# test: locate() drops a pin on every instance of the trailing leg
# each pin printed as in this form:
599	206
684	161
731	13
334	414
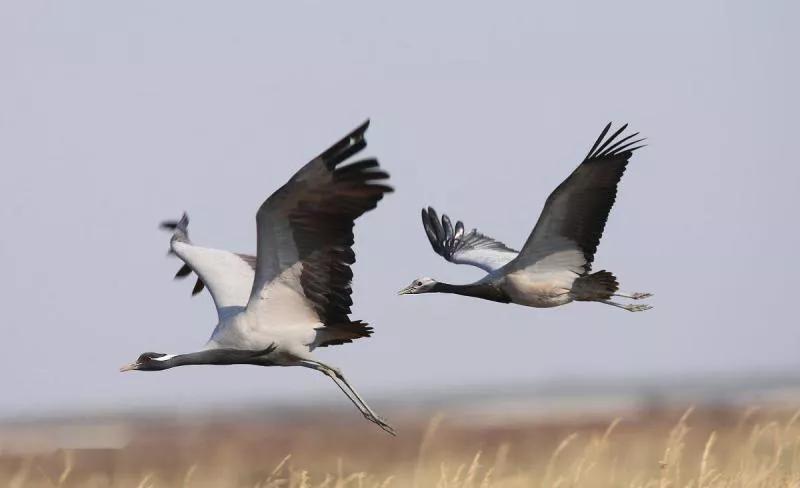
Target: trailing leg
629	307
338	378
633	296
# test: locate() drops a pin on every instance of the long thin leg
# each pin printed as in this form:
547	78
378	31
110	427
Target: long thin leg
338	378
630	308
341	377
330	373
351	393
638	295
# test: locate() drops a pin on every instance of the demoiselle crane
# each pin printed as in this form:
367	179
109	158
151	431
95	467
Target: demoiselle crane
294	296
554	266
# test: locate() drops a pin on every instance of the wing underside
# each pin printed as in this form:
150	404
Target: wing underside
460	247
228	276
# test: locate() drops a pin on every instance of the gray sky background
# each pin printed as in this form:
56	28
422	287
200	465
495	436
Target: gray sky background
116	115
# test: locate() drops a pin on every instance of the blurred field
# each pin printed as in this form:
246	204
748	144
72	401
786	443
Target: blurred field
643	447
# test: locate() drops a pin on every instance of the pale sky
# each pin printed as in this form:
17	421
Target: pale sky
117	115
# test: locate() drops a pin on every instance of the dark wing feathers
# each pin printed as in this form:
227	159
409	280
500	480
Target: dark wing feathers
615	149
345	147
447	240
198	287
320	204
459	232
185	271
456	246
323	232
618	146
579	207
179	228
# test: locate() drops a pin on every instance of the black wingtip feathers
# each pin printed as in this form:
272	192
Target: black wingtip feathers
347	146
198	287
183	272
610	147
173	225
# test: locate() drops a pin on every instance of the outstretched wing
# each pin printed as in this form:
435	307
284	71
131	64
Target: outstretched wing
227	275
305	235
458	247
572	221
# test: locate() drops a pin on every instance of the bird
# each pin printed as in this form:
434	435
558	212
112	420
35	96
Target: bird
294	295
554	266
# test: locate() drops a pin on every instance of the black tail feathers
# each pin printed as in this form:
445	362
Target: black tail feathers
335	334
596	286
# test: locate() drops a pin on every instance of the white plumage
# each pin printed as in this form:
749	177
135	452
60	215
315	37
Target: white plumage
228	277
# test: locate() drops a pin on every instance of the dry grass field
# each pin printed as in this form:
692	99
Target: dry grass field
651	447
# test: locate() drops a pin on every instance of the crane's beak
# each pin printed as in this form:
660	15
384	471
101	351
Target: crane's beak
406	291
129	367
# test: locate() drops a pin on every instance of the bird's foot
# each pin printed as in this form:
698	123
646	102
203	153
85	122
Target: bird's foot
640	295
637	308
381	423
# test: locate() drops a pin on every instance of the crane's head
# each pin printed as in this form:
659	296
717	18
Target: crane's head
420	285
150	361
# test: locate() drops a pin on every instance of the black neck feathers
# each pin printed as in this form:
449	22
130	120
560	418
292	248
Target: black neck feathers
211	356
486	291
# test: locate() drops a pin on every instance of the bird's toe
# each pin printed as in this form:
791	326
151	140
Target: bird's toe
388	428
381	423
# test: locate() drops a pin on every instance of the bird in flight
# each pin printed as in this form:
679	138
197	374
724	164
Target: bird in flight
275	308
554	266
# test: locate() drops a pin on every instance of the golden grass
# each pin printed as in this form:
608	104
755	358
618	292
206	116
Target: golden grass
706	448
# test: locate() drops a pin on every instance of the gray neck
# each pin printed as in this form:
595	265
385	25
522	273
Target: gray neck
213	356
485	291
